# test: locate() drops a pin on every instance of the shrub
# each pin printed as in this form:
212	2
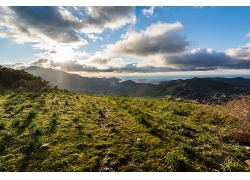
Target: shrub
37	132
2	125
230	165
142	120
181	112
177	163
55	114
76	119
89	135
16	123
101	113
32	114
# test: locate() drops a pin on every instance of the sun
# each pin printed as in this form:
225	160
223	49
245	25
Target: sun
62	54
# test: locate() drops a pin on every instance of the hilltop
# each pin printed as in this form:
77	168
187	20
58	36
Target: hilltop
67	131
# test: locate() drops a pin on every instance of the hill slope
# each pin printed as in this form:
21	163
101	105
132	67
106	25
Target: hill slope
64	131
195	88
78	83
11	78
82	132
236	81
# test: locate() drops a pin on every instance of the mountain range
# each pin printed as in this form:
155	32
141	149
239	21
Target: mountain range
195	88
78	83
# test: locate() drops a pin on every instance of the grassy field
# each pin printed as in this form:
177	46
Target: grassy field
87	132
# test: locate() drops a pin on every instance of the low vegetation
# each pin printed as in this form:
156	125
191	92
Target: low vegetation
86	132
46	129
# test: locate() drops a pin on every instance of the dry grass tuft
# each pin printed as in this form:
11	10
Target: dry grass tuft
239	109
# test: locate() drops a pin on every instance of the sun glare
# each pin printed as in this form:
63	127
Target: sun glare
61	54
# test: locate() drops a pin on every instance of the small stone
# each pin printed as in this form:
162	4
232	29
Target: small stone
44	146
247	162
247	148
138	139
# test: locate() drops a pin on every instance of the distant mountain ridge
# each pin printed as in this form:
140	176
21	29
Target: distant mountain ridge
195	88
236	81
78	83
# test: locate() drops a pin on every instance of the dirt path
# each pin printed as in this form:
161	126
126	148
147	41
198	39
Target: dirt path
104	163
107	112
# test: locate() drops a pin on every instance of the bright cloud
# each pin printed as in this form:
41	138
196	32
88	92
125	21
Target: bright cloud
47	28
148	12
93	37
72	38
241	52
159	38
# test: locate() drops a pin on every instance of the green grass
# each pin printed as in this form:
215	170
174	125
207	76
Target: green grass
89	132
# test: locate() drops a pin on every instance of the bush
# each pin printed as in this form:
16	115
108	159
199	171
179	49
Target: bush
101	113
142	120
55	115
181	112
2	125
16	123
177	163
37	132
230	165
32	114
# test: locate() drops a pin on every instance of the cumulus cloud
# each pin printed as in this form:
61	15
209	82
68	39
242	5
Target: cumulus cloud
70	65
93	37
105	62
200	58
58	23
53	52
159	38
248	34
55	23
57	31
194	60
14	65
40	62
241	52
149	12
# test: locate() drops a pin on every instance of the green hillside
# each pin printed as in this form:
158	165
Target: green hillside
46	129
109	133
195	88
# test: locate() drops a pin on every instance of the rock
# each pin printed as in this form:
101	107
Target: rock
44	146
247	162
138	139
247	148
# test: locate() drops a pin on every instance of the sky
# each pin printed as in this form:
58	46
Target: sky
126	39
